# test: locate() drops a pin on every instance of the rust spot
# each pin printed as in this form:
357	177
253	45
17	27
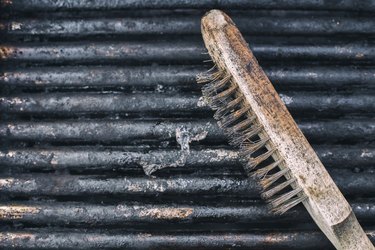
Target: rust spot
275	238
314	191
16	236
5	52
303	179
16	212
167	213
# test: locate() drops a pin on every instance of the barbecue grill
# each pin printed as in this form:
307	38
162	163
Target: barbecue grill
106	143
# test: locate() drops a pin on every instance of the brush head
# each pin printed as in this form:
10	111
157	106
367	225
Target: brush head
240	123
255	120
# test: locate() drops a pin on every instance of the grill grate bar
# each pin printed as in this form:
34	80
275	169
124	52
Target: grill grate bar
45	239
165	52
254	23
75	104
301	77
83	214
349	182
45	5
128	131
89	158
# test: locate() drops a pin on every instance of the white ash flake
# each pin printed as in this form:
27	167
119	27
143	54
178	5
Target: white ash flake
286	99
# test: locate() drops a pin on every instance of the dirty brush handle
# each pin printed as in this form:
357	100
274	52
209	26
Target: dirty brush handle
320	195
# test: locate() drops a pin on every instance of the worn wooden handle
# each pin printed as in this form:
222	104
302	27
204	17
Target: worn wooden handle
324	202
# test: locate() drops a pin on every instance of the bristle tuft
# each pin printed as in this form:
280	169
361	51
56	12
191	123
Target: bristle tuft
220	112
257	160
244	136
229	119
222	98
243	129
271	192
210	75
289	204
241	126
215	86
249	148
262	172
268	180
284	198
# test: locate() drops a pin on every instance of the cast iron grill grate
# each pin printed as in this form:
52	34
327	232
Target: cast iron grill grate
106	144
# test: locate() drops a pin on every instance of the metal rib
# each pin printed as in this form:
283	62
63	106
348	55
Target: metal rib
303	77
75	185
86	158
126	131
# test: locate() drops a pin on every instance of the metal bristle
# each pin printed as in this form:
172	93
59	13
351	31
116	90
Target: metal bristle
284	199
227	120
215	86
210	75
235	117
268	180
290	204
243	136
249	148
248	168
262	172
220	112
269	193
257	160
243	125
222	98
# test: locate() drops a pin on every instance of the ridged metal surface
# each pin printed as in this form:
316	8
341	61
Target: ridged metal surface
106	143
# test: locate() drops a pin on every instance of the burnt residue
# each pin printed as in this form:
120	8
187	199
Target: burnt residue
117	240
129	132
10	212
76	185
167	213
184	137
80	214
350	183
262	23
300	104
164	52
127	158
5	52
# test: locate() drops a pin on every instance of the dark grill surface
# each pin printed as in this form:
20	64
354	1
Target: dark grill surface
106	144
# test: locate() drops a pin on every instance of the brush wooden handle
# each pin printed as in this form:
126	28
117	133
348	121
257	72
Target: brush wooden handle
324	202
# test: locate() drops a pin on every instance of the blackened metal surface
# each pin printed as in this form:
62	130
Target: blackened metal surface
73	239
164	52
106	143
263	23
305	77
130	158
31	5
